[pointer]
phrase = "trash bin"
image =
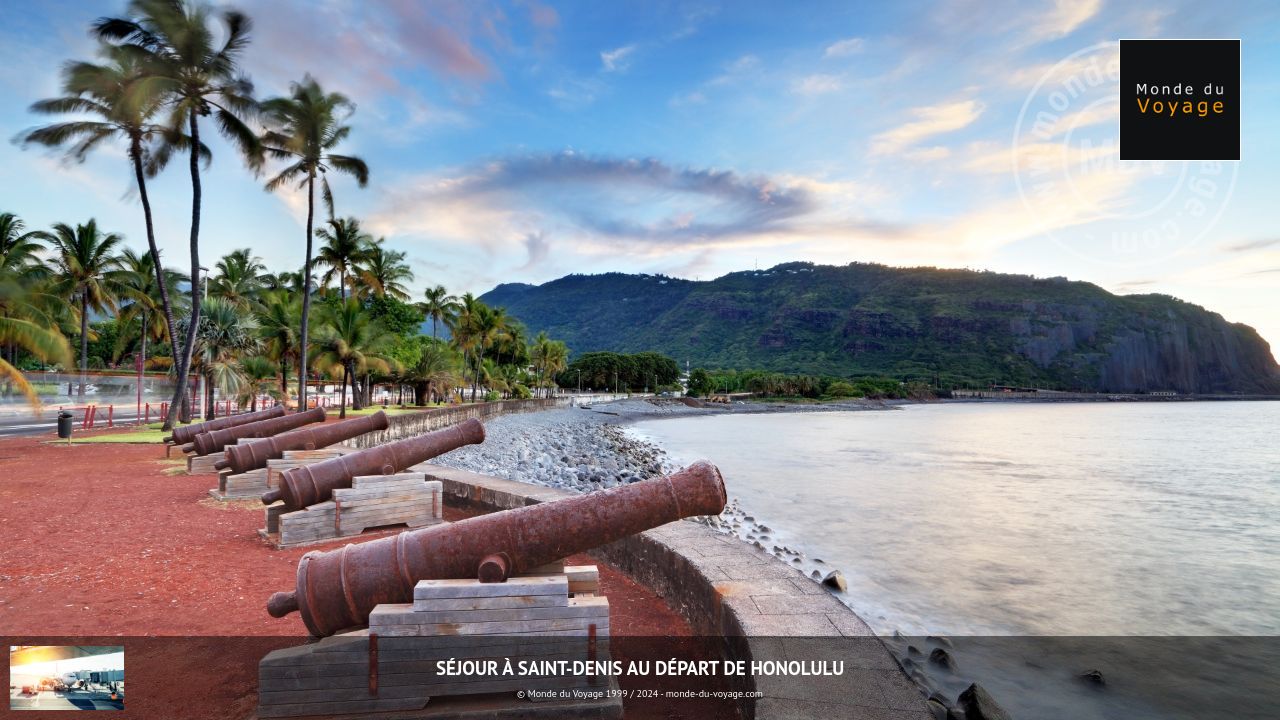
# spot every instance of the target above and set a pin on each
(64, 425)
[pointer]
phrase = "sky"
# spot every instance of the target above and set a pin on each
(522, 141)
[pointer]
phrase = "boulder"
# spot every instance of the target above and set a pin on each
(835, 580)
(942, 659)
(978, 704)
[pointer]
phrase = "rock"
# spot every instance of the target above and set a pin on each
(936, 709)
(938, 640)
(913, 651)
(1093, 677)
(942, 659)
(835, 580)
(955, 714)
(978, 704)
(816, 575)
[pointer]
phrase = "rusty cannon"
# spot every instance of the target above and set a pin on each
(338, 589)
(211, 442)
(253, 455)
(184, 434)
(311, 484)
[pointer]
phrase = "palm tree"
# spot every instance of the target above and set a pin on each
(259, 374)
(439, 306)
(465, 331)
(239, 277)
(24, 325)
(20, 249)
(353, 342)
(87, 271)
(225, 334)
(139, 294)
(278, 317)
(197, 78)
(123, 101)
(19, 262)
(304, 129)
(549, 357)
(384, 272)
(343, 252)
(435, 373)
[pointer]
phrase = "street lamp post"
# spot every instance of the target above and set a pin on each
(579, 381)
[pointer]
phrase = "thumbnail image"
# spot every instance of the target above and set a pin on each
(66, 677)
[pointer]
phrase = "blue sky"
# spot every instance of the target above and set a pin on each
(522, 141)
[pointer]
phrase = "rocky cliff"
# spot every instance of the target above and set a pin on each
(957, 326)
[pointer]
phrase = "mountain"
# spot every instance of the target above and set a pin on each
(964, 327)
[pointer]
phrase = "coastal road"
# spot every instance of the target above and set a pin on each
(17, 425)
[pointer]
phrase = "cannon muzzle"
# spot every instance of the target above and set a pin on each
(185, 433)
(314, 483)
(253, 455)
(339, 588)
(211, 442)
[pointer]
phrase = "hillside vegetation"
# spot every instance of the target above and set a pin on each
(954, 327)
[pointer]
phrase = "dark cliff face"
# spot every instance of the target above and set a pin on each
(957, 326)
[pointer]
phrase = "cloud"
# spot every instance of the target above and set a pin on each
(818, 84)
(930, 120)
(616, 60)
(596, 205)
(844, 48)
(538, 247)
(1064, 18)
(1250, 245)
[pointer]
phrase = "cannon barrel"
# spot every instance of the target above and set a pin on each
(314, 483)
(183, 434)
(253, 455)
(339, 588)
(215, 441)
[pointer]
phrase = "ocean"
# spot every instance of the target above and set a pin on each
(1003, 526)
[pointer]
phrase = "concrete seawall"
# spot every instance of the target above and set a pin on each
(760, 607)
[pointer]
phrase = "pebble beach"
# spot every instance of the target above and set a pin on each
(586, 448)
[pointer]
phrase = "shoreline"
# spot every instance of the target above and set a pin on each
(588, 448)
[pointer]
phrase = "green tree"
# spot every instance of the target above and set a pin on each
(700, 384)
(25, 325)
(20, 268)
(383, 272)
(303, 130)
(226, 334)
(345, 248)
(197, 77)
(125, 103)
(439, 306)
(141, 316)
(279, 315)
(350, 340)
(87, 271)
(436, 371)
(239, 278)
(259, 374)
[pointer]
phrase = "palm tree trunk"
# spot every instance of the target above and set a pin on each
(210, 411)
(342, 411)
(84, 339)
(355, 390)
(189, 344)
(342, 285)
(306, 296)
(135, 152)
(284, 377)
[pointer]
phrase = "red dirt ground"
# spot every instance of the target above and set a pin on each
(98, 540)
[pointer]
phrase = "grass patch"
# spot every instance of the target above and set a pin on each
(137, 436)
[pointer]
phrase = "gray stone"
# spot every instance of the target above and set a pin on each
(835, 580)
(978, 704)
